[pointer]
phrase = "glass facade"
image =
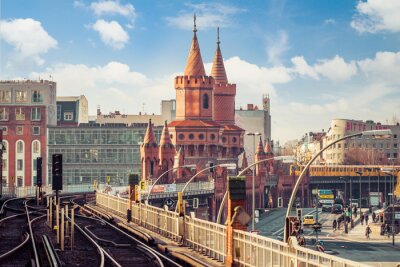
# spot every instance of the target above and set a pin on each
(97, 152)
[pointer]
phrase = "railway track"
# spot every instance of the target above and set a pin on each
(119, 247)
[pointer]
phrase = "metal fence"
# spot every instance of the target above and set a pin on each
(27, 191)
(210, 238)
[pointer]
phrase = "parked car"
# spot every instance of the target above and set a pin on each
(337, 209)
(327, 207)
(308, 220)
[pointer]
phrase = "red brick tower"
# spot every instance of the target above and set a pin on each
(260, 155)
(149, 154)
(166, 155)
(269, 154)
(194, 129)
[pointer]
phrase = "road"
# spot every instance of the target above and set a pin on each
(374, 253)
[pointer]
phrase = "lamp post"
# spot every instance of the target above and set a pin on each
(159, 177)
(373, 133)
(360, 173)
(345, 189)
(369, 187)
(390, 171)
(253, 205)
(283, 158)
(227, 165)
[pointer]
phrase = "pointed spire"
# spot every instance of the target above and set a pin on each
(194, 65)
(218, 68)
(245, 164)
(260, 149)
(149, 137)
(268, 149)
(165, 139)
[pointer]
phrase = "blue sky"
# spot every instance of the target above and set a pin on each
(317, 59)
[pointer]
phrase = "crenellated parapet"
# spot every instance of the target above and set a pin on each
(225, 89)
(194, 82)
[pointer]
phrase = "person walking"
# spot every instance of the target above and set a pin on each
(362, 219)
(373, 217)
(367, 231)
(366, 219)
(387, 230)
(334, 224)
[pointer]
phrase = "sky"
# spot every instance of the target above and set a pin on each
(316, 59)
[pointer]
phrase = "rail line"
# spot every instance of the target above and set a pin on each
(106, 233)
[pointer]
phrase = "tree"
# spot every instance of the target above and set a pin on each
(362, 156)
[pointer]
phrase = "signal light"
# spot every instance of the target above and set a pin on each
(57, 171)
(39, 171)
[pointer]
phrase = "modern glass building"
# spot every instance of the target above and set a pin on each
(94, 151)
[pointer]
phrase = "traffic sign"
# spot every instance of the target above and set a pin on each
(169, 202)
(108, 179)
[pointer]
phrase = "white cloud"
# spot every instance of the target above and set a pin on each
(377, 16)
(208, 15)
(336, 69)
(112, 8)
(111, 33)
(276, 47)
(385, 67)
(29, 39)
(79, 4)
(301, 67)
(329, 21)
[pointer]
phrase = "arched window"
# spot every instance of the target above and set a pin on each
(36, 147)
(205, 101)
(20, 147)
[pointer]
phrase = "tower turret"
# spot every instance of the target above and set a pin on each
(149, 154)
(166, 154)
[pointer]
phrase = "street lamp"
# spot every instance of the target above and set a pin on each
(159, 177)
(253, 205)
(360, 173)
(390, 171)
(226, 165)
(377, 134)
(349, 206)
(369, 187)
(285, 159)
(345, 189)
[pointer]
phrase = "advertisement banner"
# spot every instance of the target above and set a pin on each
(326, 196)
(158, 189)
(169, 188)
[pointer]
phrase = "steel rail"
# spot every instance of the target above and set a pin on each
(138, 241)
(35, 251)
(51, 253)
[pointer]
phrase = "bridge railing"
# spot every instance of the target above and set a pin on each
(27, 191)
(210, 238)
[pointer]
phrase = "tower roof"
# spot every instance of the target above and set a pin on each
(268, 149)
(194, 65)
(245, 164)
(260, 149)
(149, 137)
(165, 139)
(218, 69)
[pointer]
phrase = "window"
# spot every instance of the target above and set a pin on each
(21, 96)
(19, 181)
(5, 165)
(205, 101)
(36, 130)
(37, 96)
(388, 155)
(20, 165)
(5, 96)
(181, 136)
(395, 155)
(395, 145)
(68, 116)
(201, 136)
(58, 112)
(35, 115)
(395, 136)
(20, 147)
(212, 136)
(5, 129)
(36, 147)
(19, 114)
(191, 136)
(3, 114)
(234, 139)
(223, 139)
(20, 130)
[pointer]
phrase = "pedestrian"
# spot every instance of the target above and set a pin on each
(366, 219)
(367, 231)
(339, 221)
(387, 230)
(362, 219)
(334, 225)
(373, 217)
